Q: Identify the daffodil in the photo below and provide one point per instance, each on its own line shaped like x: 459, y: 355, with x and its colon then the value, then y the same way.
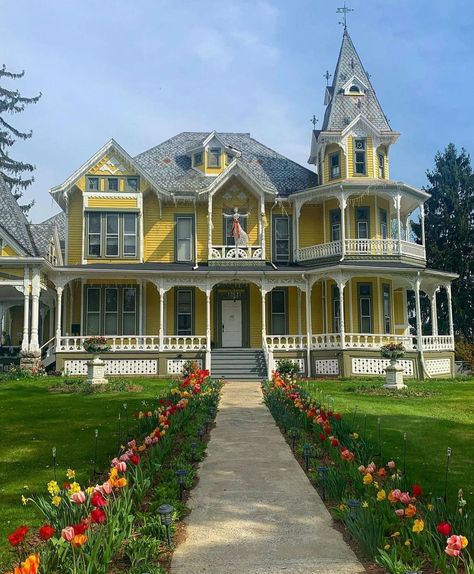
x: 75, y: 487
x: 24, y: 500
x: 418, y: 526
x: 56, y: 500
x: 407, y: 542
x: 386, y: 547
x: 367, y: 479
x: 381, y: 495
x: 70, y: 473
x: 395, y: 534
x: 430, y: 506
x: 53, y: 488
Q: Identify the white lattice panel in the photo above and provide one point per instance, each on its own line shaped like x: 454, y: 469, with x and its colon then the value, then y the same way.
x: 438, y: 366
x: 175, y: 366
x: 115, y: 367
x: 326, y: 367
x: 368, y: 366
x: 300, y: 363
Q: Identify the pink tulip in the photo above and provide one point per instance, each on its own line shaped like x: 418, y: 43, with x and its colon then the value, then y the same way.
x: 391, y: 465
x: 132, y: 444
x: 78, y: 497
x: 148, y: 440
x: 67, y: 533
x: 404, y: 498
x: 397, y: 493
x: 450, y: 551
x: 399, y: 512
x: 125, y: 457
x: 361, y: 468
x: 155, y: 439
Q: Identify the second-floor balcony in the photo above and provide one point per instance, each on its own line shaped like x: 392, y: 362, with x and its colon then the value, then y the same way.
x: 362, y: 248
x: 232, y: 252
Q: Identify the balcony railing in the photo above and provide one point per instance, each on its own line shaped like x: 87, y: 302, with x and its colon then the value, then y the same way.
x: 363, y: 248
x: 136, y: 343
x: 231, y: 252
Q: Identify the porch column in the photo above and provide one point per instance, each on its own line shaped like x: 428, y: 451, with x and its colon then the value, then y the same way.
x: 309, y: 327
x: 419, y: 326
x: 434, y: 313
x: 341, y: 286
x: 264, y: 313
x: 59, y: 309
x: 208, y: 329
x: 25, y: 343
x: 209, y: 227
x: 407, y: 228
x: 450, y: 312
x: 300, y: 326
x: 422, y: 217
x: 261, y: 227
x: 296, y: 230
x: 161, y: 291
x: 342, y: 206
x: 35, y: 295
x: 399, y: 221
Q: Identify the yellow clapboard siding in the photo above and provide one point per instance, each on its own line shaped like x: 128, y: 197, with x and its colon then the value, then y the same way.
x: 152, y: 312
x: 75, y: 229
x: 8, y: 251
x: 330, y: 149
x: 113, y: 202
x: 16, y: 316
x: 255, y: 312
x: 311, y: 225
x: 13, y: 271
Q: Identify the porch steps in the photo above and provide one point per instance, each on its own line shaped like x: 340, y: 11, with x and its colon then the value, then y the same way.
x: 237, y: 364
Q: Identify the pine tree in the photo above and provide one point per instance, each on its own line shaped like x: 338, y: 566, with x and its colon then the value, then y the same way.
x: 449, y: 231
x: 11, y: 170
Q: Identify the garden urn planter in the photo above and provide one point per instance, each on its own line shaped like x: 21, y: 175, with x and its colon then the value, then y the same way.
x: 96, y: 371
x: 394, y: 376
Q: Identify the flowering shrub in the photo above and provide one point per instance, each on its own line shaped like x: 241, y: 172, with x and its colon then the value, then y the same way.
x: 95, y: 345
x: 392, y: 523
x: 392, y: 351
x: 85, y: 526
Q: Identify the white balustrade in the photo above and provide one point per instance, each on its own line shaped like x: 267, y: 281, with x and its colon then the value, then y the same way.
x: 184, y: 343
x: 137, y: 343
x: 365, y: 247
x: 268, y: 354
x: 326, y: 341
x: 286, y: 342
x: 232, y: 252
x: 372, y: 341
x: 438, y: 343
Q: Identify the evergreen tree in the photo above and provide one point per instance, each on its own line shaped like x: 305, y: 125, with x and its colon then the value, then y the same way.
x: 11, y: 170
x: 449, y: 231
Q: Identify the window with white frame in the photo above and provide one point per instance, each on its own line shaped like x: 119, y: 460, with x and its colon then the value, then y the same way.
x: 111, y: 234
x: 214, y: 157
x: 383, y: 224
x: 362, y: 222
x: 278, y: 311
x: 184, y: 237
x: 184, y: 311
x: 335, y: 165
x: 365, y: 307
x: 335, y: 218
x: 387, y: 308
x: 93, y: 308
x: 111, y: 310
x: 360, y: 156
x: 336, y: 309
x: 129, y: 311
x: 282, y: 238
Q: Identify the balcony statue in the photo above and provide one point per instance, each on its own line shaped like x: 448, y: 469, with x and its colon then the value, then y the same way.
x: 96, y: 366
x: 240, y: 236
x: 394, y: 371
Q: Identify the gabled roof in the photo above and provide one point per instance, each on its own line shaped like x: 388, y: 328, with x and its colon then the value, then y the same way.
x: 342, y: 109
x: 13, y: 222
x: 43, y: 232
x: 169, y: 165
x: 60, y: 191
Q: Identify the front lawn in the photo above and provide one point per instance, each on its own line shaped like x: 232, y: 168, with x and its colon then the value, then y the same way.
x: 435, y: 415
x: 34, y: 420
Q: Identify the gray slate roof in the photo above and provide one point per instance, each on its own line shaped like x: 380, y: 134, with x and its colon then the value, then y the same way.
x: 170, y: 166
x: 13, y: 221
x: 43, y: 232
x: 342, y: 109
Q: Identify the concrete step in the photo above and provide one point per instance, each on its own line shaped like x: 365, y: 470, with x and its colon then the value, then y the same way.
x: 238, y: 364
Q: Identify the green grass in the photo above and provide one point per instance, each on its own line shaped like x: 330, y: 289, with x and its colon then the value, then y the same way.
x: 34, y: 420
x: 441, y: 417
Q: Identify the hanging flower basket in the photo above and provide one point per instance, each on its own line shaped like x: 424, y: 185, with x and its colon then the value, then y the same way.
x: 392, y: 351
x: 96, y: 345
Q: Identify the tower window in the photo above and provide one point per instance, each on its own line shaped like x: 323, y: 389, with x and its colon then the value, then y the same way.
x: 214, y: 159
x: 360, y: 157
x: 354, y: 89
x: 381, y: 162
x: 334, y: 165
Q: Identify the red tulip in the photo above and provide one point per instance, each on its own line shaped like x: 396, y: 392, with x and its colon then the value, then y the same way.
x: 417, y: 490
x: 98, y: 516
x: 335, y: 442
x: 135, y: 459
x: 444, y: 528
x: 98, y: 500
x: 16, y: 537
x: 46, y: 532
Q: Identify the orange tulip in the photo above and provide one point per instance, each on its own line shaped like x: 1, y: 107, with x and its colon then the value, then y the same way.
x: 79, y: 540
x: 410, y: 510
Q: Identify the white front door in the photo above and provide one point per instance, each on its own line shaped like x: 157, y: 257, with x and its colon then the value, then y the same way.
x: 231, y: 323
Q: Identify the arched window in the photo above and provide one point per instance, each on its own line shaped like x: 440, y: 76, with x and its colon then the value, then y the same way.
x: 354, y: 89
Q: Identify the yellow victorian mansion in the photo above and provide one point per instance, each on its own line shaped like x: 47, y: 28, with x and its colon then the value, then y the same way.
x: 214, y: 247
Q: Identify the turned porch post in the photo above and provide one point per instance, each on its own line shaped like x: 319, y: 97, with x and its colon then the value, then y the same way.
x: 450, y: 312
x: 264, y: 313
x: 309, y: 328
x: 342, y: 206
x: 261, y: 227
x: 434, y: 313
x: 422, y: 218
x: 59, y: 310
x: 300, y: 326
x: 208, y: 329
x: 399, y: 221
x: 342, y: 327
x: 161, y: 291
x: 419, y: 326
x: 25, y: 343
x: 209, y: 227
x: 35, y: 295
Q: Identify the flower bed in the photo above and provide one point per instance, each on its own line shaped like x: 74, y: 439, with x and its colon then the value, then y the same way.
x: 393, y: 523
x: 114, y: 526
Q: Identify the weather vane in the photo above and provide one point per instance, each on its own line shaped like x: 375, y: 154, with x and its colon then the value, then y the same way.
x: 327, y: 75
x: 314, y: 120
x: 344, y: 10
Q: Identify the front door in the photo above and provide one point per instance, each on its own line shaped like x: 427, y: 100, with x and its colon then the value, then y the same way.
x: 231, y: 323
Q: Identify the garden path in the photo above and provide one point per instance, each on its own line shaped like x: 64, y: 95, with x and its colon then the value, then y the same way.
x: 254, y: 510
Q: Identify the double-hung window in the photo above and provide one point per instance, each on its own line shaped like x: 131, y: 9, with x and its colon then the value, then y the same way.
x: 111, y: 234
x: 112, y: 184
x: 278, y: 311
x: 282, y: 234
x: 336, y: 309
x: 387, y: 311
x: 93, y: 310
x: 360, y: 156
x: 129, y: 235
x: 383, y: 224
x: 381, y: 165
x: 362, y: 222
x: 111, y: 318
x: 214, y: 157
x: 111, y: 310
x: 184, y: 238
x: 365, y: 307
x: 129, y: 311
x: 334, y: 165
x: 335, y: 217
x: 94, y: 234
x: 184, y: 311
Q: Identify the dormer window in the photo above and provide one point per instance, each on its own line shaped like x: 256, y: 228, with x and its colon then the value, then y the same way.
x: 214, y: 157
x: 198, y: 159
x: 92, y: 184
x: 228, y: 158
x: 354, y: 89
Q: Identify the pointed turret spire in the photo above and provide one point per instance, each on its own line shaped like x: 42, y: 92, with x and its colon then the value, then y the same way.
x: 350, y: 80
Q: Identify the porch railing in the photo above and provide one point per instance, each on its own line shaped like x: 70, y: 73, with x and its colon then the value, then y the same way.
x: 286, y: 342
x: 232, y: 252
x: 367, y: 341
x: 71, y: 344
x: 438, y: 343
x: 268, y: 354
x: 362, y: 247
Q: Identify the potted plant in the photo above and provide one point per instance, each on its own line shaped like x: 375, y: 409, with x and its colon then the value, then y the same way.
x: 96, y: 345
x: 392, y: 352
x: 394, y: 372
x: 96, y: 367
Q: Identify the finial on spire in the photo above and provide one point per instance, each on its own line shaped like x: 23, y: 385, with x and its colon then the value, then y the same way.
x: 327, y: 75
x: 344, y: 10
x: 314, y: 120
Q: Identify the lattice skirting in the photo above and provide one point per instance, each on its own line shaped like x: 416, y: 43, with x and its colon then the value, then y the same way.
x: 114, y: 367
x: 438, y: 366
x: 326, y: 367
x: 367, y: 366
x: 300, y: 363
x: 175, y: 366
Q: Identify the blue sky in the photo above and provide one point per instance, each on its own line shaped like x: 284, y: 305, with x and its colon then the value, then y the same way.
x: 143, y: 70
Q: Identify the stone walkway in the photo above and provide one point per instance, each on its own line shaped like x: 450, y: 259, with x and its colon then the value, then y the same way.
x: 253, y: 510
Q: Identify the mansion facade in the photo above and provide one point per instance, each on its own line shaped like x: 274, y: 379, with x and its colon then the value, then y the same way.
x: 211, y: 246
